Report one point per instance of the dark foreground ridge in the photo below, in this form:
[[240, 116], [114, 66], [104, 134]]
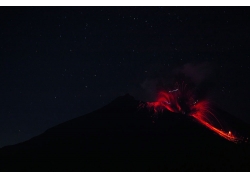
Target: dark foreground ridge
[[123, 137]]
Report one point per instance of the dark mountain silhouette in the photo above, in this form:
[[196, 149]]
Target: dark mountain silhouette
[[123, 137]]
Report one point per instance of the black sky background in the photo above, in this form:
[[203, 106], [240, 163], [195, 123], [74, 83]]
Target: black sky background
[[58, 63]]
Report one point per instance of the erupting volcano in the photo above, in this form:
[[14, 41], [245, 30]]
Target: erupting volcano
[[119, 137], [183, 100]]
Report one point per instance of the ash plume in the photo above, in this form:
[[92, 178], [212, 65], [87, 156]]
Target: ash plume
[[198, 76]]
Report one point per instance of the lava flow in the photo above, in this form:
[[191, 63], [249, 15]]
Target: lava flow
[[182, 100]]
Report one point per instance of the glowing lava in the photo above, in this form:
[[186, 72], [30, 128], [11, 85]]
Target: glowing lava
[[182, 100], [201, 114]]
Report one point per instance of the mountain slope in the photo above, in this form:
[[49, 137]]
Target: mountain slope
[[123, 137]]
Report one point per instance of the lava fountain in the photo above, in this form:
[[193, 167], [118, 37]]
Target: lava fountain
[[182, 100]]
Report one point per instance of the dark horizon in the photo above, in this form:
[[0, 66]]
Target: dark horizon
[[127, 136]]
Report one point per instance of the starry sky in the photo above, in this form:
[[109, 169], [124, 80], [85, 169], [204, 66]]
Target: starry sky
[[58, 63]]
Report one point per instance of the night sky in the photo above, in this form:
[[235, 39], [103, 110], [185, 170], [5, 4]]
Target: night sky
[[58, 63]]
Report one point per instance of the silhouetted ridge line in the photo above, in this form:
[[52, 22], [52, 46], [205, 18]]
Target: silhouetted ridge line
[[124, 136]]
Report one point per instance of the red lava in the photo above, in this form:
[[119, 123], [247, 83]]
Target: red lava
[[181, 100]]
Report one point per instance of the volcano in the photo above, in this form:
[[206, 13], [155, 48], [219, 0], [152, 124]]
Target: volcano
[[126, 136]]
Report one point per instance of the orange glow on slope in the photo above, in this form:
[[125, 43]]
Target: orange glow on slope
[[181, 100], [201, 115], [229, 136]]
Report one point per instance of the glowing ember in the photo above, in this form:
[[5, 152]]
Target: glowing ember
[[182, 100]]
